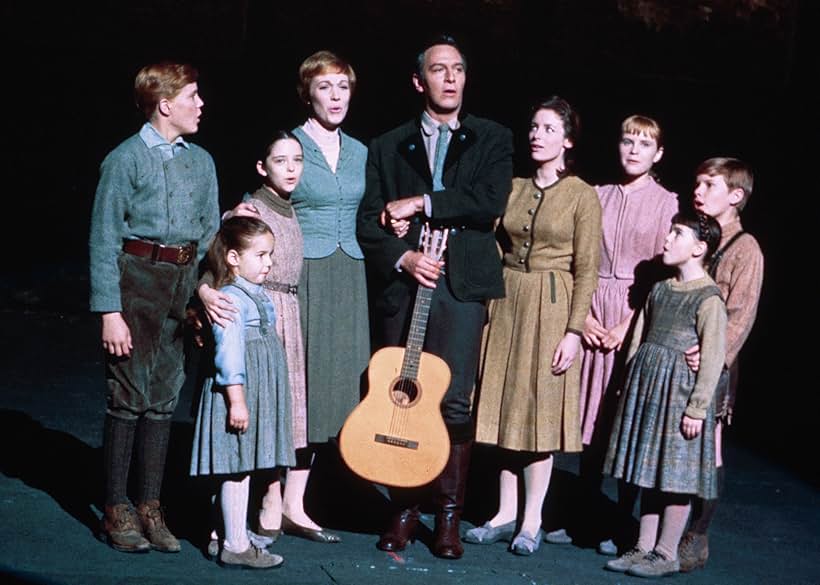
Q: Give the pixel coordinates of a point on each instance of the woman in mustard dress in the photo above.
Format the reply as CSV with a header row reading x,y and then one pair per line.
x,y
528,401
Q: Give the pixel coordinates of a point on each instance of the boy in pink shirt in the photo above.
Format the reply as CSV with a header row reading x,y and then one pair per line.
x,y
722,189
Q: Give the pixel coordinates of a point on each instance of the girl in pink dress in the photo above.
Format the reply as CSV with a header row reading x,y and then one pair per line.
x,y
636,215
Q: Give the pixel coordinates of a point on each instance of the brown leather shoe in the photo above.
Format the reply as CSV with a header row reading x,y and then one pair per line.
x,y
253,558
693,551
447,540
154,528
121,530
402,530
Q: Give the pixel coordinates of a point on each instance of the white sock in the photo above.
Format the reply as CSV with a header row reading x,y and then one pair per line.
x,y
235,514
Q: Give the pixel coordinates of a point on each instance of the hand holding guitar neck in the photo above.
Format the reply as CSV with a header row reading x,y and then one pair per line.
x,y
426,265
396,436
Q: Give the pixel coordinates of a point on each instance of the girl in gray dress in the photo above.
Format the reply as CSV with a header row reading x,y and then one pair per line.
x,y
244,420
663,436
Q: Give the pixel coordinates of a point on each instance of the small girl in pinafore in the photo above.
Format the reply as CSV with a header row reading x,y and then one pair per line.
x,y
663,436
244,419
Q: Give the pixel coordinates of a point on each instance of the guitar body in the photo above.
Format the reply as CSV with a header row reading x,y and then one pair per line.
x,y
396,436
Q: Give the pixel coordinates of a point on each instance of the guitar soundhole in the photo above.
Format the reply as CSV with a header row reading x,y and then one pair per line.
x,y
404,392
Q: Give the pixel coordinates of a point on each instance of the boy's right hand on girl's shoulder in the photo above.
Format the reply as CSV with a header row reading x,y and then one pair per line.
x,y
692,357
690,427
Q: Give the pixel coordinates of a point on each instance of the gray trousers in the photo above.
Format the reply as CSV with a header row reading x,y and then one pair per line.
x,y
154,297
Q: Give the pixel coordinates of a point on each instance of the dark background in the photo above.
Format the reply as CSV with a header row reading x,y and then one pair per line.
x,y
723,77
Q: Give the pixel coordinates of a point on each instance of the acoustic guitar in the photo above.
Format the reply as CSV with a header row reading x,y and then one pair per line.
x,y
396,435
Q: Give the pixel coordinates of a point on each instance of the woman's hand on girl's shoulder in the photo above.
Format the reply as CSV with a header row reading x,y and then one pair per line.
x,y
218,306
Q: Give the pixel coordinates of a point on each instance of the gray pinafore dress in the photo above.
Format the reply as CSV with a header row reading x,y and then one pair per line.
x,y
647,447
268,442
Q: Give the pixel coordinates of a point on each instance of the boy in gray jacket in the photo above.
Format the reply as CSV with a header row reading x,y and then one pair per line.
x,y
155,212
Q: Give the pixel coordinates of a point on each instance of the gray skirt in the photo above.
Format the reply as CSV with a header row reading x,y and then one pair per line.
x,y
268,441
336,330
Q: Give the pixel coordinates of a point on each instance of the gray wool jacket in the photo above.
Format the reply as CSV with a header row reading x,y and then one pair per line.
x,y
151,190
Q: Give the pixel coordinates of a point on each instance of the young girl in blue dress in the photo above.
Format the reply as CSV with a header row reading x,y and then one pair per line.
x,y
663,437
244,420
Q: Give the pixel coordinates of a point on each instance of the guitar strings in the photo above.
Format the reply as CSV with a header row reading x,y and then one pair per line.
x,y
433,244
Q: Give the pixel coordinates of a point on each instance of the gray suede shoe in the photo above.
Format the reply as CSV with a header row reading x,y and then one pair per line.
x,y
488,534
524,544
607,548
559,536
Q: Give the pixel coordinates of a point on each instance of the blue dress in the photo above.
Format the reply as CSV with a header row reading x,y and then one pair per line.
x,y
247,352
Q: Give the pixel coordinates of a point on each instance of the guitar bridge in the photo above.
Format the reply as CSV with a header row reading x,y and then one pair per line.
x,y
396,441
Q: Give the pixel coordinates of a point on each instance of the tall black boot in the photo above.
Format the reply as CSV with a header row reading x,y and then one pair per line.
x,y
449,501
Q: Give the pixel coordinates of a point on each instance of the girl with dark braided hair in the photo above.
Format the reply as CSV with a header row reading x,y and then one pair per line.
x,y
664,431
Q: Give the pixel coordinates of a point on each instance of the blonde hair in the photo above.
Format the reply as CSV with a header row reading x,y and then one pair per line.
x,y
161,81
637,124
321,63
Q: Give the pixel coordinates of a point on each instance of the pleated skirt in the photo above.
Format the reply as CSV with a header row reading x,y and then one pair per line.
x,y
336,330
521,405
646,447
268,441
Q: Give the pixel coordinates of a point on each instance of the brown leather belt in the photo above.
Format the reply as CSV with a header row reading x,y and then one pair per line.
x,y
160,252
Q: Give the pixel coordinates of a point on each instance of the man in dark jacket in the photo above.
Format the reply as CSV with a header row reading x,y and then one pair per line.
x,y
454,171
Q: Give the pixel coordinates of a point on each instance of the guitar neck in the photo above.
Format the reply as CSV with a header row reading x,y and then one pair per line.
x,y
418,329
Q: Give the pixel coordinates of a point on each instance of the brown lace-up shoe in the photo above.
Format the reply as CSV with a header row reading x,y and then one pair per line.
x,y
253,558
121,530
626,560
654,564
154,528
693,551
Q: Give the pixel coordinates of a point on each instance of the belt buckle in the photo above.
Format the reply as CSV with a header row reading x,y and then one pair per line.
x,y
184,255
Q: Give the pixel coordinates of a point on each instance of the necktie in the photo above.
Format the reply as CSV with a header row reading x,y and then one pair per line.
x,y
441,154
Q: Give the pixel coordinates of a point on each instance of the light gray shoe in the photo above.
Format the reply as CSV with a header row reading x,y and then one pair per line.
x,y
488,534
252,558
259,540
524,544
559,536
654,564
213,548
623,563
607,548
